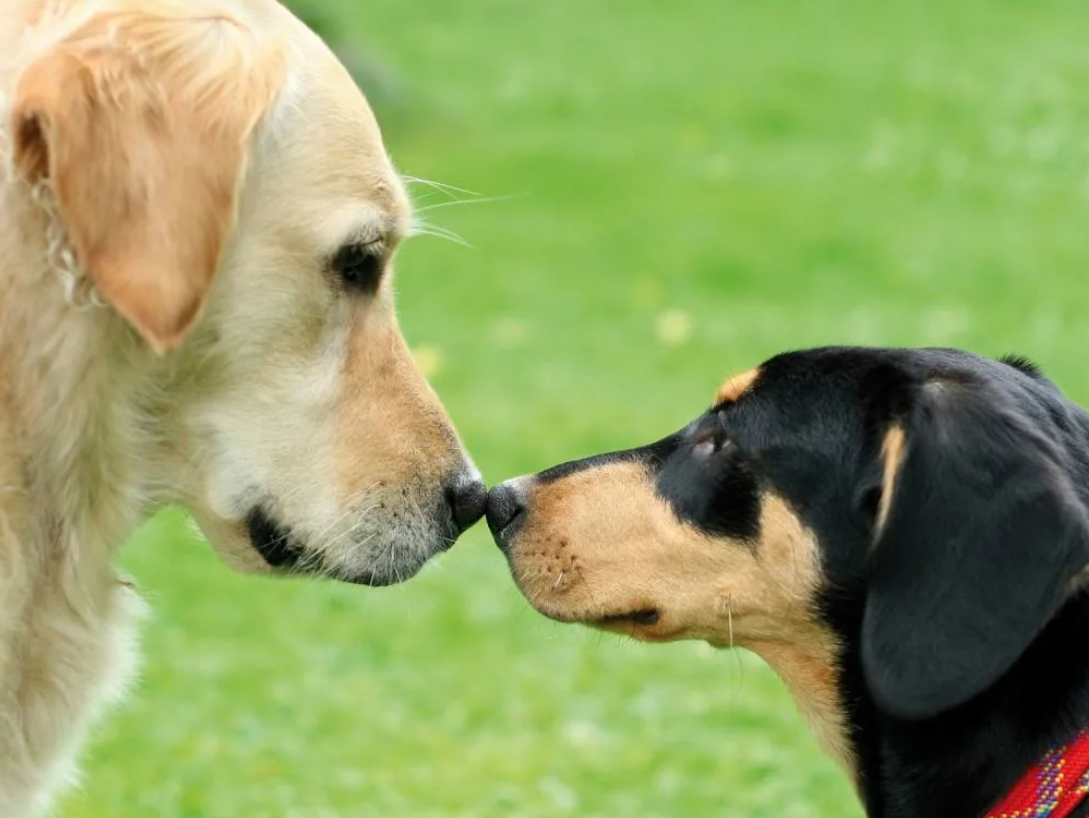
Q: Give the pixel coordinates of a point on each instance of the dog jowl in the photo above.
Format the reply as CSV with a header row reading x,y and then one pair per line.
x,y
900,534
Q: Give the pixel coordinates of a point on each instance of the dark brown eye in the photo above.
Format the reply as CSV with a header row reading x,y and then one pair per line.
x,y
359,267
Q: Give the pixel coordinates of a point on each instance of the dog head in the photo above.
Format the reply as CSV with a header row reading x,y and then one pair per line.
x,y
908,518
222,183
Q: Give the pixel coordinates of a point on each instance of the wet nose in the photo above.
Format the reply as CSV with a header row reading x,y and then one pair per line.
x,y
467,497
506,507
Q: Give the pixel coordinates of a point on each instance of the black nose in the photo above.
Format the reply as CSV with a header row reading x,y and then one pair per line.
x,y
506,509
467,497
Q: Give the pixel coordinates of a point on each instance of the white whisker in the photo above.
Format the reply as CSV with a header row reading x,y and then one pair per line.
x,y
421,228
456,202
449,190
737,654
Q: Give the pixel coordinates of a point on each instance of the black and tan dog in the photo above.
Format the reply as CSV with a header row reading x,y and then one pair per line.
x,y
900,534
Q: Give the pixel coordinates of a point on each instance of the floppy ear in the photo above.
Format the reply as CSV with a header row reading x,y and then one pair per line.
x,y
139,122
980,531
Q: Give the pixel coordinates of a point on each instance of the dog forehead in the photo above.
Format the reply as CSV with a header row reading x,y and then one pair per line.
x,y
322,135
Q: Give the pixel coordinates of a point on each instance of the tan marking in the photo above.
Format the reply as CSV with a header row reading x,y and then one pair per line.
x,y
602,542
804,666
736,386
802,650
892,452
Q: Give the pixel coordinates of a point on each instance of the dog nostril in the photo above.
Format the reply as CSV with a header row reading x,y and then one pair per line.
x,y
506,504
467,497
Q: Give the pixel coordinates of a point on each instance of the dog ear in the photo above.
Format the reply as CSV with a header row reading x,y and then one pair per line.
x,y
140,122
979,532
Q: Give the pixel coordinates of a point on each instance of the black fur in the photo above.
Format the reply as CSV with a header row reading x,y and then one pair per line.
x,y
717,491
963,634
1024,364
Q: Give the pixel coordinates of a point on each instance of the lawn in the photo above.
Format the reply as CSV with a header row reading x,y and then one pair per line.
x,y
667,193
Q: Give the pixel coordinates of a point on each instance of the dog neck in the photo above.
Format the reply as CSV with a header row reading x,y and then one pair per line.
x,y
74,406
961,763
72,391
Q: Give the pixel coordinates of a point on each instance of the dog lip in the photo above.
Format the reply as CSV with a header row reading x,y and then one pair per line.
x,y
273,542
372,580
502,534
646,617
286,554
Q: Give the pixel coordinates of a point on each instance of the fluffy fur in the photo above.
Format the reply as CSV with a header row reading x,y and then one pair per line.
x,y
176,180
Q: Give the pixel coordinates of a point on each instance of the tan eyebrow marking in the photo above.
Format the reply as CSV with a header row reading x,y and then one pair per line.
x,y
736,386
892,450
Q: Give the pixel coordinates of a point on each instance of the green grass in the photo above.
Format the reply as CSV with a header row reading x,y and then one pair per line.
x,y
766,174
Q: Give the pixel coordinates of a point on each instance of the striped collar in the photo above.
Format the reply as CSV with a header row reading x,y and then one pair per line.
x,y
1053,787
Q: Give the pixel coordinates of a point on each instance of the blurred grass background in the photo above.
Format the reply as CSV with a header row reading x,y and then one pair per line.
x,y
679,190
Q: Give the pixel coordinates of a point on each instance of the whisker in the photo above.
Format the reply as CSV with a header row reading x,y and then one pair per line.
x,y
456,202
441,187
730,620
334,543
317,537
420,228
736,653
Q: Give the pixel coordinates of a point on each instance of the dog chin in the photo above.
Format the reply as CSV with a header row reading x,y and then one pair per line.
x,y
285,554
260,545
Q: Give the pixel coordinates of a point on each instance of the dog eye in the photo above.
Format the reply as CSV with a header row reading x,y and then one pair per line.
x,y
705,448
710,445
359,266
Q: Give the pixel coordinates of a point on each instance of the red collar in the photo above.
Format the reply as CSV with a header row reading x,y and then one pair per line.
x,y
1053,788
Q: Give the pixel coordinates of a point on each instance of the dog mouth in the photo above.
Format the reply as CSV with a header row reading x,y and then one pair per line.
x,y
276,545
645,624
289,554
286,554
625,621
643,617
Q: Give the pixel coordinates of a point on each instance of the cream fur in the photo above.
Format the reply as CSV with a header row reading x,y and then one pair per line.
x,y
196,350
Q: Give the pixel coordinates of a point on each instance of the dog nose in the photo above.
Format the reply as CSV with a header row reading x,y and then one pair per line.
x,y
506,508
467,497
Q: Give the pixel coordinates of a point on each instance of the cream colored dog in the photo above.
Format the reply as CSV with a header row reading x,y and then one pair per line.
x,y
197,217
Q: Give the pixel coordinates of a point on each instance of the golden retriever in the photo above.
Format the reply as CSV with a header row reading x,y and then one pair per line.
x,y
197,218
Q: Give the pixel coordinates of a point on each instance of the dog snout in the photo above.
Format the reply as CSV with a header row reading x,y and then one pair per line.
x,y
506,509
467,497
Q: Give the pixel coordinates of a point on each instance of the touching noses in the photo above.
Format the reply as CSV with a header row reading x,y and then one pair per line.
x,y
467,497
506,510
